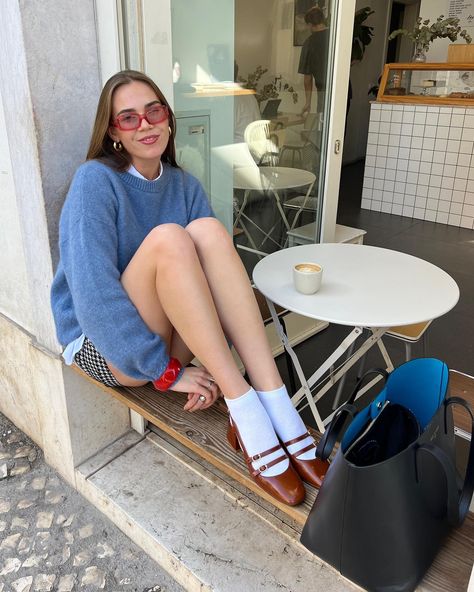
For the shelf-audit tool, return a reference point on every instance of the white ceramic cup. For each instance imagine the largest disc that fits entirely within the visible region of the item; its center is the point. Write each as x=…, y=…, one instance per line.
x=307, y=277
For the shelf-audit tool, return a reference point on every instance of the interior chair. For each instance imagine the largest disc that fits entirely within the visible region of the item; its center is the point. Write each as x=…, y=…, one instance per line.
x=300, y=142
x=262, y=144
x=409, y=334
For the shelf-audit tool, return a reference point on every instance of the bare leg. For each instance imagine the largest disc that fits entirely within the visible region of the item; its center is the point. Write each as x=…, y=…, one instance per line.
x=235, y=302
x=166, y=283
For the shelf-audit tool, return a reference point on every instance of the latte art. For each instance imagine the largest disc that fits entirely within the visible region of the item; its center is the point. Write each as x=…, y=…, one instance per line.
x=308, y=268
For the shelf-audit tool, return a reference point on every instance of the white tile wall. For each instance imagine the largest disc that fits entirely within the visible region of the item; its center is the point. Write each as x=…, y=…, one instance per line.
x=420, y=163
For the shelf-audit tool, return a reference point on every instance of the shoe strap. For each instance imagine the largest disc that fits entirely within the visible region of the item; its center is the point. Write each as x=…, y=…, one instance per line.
x=254, y=472
x=296, y=440
x=266, y=453
x=250, y=459
x=305, y=449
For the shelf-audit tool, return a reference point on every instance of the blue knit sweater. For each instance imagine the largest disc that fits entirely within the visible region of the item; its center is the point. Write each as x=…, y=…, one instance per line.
x=104, y=220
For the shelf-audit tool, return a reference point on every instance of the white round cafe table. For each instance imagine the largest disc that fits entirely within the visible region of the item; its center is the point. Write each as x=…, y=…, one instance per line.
x=271, y=178
x=361, y=285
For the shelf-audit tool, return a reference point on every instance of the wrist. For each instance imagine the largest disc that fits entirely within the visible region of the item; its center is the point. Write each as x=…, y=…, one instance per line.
x=170, y=376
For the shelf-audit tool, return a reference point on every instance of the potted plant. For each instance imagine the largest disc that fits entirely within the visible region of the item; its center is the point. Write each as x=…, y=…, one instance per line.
x=424, y=33
x=271, y=90
x=362, y=34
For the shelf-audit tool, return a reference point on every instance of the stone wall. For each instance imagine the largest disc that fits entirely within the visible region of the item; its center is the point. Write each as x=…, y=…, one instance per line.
x=49, y=88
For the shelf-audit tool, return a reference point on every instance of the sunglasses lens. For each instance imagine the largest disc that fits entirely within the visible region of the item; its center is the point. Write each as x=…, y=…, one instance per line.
x=128, y=121
x=157, y=114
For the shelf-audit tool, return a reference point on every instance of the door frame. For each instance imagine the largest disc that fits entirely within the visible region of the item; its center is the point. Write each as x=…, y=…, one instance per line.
x=341, y=44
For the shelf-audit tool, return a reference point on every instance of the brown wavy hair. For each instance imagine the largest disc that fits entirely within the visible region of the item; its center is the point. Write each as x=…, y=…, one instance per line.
x=101, y=146
x=315, y=16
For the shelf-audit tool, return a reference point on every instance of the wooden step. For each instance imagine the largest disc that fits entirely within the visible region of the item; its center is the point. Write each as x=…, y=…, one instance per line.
x=204, y=435
x=462, y=385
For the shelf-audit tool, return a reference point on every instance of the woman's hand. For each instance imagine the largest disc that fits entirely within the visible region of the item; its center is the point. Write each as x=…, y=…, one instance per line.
x=197, y=382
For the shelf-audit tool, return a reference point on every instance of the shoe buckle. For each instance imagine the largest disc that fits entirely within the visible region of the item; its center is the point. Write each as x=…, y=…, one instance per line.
x=257, y=457
x=262, y=468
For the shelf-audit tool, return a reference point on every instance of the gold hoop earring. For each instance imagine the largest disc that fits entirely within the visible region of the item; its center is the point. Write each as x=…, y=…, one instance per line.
x=118, y=146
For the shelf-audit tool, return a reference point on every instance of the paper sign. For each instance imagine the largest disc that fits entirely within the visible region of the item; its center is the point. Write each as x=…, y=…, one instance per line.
x=463, y=10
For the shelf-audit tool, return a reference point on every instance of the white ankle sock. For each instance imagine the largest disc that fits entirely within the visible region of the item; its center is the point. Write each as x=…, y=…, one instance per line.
x=256, y=431
x=286, y=420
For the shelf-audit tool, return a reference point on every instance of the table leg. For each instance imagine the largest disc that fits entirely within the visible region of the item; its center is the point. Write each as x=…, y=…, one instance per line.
x=280, y=209
x=375, y=338
x=298, y=213
x=304, y=391
x=283, y=217
x=239, y=220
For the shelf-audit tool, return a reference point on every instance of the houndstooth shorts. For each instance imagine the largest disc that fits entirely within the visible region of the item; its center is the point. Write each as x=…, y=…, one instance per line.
x=92, y=363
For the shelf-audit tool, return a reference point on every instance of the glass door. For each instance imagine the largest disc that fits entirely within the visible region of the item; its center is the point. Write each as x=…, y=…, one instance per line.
x=260, y=92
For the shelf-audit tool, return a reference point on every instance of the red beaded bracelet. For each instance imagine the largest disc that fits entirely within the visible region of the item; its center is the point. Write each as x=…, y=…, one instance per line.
x=169, y=375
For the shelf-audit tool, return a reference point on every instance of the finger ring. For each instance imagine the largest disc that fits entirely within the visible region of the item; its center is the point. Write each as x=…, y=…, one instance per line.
x=202, y=398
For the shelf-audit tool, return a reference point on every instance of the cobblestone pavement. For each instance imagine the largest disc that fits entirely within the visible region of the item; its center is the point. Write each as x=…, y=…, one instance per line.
x=52, y=539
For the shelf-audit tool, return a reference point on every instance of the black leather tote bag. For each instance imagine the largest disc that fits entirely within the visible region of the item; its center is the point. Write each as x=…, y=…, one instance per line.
x=392, y=492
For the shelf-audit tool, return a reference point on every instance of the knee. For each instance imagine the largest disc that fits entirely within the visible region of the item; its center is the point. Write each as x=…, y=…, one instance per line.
x=169, y=240
x=209, y=232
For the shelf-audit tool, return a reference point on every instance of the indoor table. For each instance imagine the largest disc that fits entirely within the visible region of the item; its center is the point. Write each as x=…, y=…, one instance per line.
x=271, y=179
x=362, y=287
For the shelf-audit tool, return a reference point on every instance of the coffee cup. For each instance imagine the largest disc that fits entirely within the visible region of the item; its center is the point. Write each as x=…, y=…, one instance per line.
x=307, y=277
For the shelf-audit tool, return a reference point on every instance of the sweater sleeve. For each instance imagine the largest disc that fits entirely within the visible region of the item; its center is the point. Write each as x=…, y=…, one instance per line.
x=103, y=309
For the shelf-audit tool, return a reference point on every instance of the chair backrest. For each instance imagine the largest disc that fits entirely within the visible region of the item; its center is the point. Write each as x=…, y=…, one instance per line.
x=261, y=144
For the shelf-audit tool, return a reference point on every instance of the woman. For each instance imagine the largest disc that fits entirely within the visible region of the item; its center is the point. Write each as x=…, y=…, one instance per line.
x=148, y=279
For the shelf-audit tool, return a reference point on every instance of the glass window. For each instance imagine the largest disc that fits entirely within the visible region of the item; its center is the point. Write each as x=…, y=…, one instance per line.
x=250, y=82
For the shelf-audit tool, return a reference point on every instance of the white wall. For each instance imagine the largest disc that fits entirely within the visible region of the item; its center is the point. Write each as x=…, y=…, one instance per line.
x=432, y=9
x=406, y=44
x=363, y=76
x=264, y=36
x=203, y=43
x=254, y=46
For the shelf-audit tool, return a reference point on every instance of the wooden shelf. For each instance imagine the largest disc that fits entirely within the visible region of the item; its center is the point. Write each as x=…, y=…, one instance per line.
x=383, y=95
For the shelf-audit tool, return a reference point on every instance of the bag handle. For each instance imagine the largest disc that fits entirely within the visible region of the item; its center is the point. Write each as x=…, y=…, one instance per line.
x=457, y=503
x=468, y=487
x=334, y=429
x=358, y=386
x=452, y=508
x=328, y=440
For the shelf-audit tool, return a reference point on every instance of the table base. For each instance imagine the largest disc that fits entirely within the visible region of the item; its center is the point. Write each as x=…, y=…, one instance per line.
x=346, y=345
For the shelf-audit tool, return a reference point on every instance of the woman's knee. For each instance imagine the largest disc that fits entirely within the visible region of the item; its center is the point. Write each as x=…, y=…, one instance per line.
x=208, y=232
x=167, y=240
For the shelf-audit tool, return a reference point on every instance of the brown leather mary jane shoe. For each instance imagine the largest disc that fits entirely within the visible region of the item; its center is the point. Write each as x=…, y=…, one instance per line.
x=286, y=487
x=311, y=471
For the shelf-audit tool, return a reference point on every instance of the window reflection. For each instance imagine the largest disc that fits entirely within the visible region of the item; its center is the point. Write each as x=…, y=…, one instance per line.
x=276, y=204
x=244, y=81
